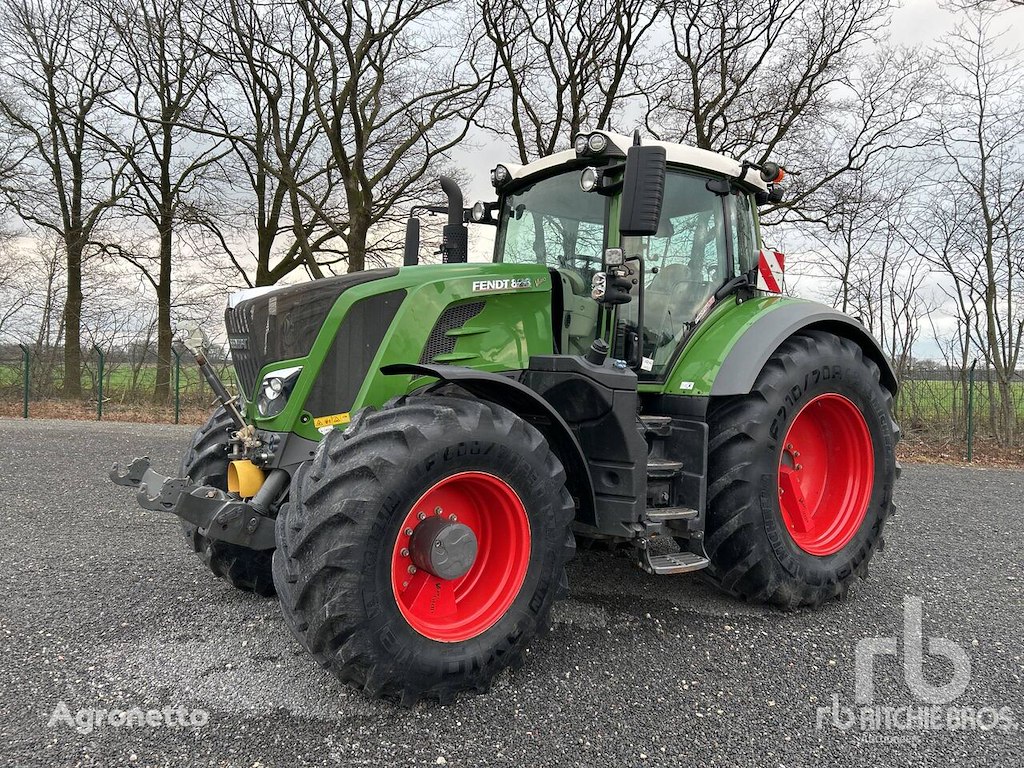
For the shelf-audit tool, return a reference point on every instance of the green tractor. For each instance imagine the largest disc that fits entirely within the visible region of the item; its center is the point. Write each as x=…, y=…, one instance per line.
x=416, y=451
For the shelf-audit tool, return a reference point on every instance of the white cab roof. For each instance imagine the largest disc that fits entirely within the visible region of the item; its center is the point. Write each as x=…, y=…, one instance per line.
x=675, y=154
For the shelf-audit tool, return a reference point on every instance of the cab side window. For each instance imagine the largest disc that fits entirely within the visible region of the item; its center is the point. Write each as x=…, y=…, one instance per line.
x=745, y=247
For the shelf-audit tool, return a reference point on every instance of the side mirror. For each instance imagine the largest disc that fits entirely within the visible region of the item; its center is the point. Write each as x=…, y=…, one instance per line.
x=643, y=189
x=412, y=242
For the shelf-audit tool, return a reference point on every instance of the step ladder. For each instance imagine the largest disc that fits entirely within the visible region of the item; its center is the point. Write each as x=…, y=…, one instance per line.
x=664, y=514
x=671, y=563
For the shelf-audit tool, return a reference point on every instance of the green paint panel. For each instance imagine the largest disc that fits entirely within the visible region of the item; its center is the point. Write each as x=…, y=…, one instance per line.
x=702, y=357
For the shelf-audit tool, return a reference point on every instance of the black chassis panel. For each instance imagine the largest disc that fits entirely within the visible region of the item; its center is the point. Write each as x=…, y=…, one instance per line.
x=600, y=405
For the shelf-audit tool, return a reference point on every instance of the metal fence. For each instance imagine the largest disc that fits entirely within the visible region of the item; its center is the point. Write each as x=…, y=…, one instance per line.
x=959, y=405
x=950, y=406
x=114, y=385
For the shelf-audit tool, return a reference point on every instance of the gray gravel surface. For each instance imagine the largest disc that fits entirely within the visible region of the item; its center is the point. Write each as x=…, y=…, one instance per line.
x=105, y=609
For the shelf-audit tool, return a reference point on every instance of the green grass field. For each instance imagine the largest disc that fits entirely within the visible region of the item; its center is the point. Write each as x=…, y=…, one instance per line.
x=119, y=382
x=932, y=400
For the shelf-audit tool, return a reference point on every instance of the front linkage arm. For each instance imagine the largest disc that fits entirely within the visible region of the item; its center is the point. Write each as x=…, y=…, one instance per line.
x=217, y=514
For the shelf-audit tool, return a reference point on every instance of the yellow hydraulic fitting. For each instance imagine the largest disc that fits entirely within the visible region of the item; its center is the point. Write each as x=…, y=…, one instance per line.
x=244, y=478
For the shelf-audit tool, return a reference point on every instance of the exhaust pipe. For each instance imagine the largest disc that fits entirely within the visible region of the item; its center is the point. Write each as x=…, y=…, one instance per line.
x=412, y=242
x=454, y=239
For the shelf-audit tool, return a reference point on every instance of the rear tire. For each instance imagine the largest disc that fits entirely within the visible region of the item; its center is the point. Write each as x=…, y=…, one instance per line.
x=339, y=564
x=763, y=545
x=205, y=463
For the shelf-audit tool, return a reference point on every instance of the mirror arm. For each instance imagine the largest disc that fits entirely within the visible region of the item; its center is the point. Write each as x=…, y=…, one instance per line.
x=734, y=285
x=636, y=364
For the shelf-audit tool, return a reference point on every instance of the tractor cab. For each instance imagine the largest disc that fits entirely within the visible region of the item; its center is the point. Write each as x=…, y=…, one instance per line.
x=567, y=212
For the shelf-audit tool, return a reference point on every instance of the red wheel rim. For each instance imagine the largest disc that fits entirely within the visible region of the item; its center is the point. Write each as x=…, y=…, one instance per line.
x=458, y=609
x=826, y=473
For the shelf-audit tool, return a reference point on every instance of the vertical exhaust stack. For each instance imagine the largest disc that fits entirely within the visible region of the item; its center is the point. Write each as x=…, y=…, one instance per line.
x=412, y=242
x=454, y=240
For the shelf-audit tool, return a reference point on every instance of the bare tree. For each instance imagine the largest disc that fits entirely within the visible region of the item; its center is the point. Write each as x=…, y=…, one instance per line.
x=162, y=74
x=866, y=257
x=263, y=103
x=57, y=68
x=396, y=86
x=577, y=68
x=14, y=292
x=978, y=200
x=800, y=81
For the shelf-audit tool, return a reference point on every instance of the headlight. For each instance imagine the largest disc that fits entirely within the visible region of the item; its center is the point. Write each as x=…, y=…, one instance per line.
x=580, y=145
x=500, y=176
x=275, y=389
x=597, y=143
x=589, y=179
x=479, y=211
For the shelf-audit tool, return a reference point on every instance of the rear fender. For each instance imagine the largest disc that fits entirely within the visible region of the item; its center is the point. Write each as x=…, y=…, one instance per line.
x=748, y=355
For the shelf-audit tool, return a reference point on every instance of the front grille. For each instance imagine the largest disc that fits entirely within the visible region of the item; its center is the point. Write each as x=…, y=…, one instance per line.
x=355, y=346
x=439, y=342
x=243, y=357
x=283, y=324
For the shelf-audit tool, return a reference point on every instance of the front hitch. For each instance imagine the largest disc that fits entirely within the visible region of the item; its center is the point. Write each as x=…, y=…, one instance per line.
x=217, y=515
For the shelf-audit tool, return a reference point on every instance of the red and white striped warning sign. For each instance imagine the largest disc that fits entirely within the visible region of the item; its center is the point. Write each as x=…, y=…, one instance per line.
x=771, y=266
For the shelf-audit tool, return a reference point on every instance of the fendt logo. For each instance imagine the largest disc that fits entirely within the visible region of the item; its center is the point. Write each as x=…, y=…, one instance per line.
x=508, y=284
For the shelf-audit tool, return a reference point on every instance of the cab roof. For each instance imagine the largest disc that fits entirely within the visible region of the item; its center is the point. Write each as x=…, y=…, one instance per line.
x=682, y=155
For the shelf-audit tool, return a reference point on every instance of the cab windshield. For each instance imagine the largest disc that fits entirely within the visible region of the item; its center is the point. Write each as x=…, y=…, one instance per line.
x=554, y=222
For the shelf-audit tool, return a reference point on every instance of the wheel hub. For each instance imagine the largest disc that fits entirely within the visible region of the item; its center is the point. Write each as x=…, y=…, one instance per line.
x=443, y=548
x=460, y=556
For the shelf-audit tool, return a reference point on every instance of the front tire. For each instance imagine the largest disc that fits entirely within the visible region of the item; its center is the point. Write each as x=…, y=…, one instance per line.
x=206, y=463
x=345, y=566
x=801, y=474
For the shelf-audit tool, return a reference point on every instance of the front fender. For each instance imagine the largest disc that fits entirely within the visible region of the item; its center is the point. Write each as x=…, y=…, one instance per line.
x=527, y=404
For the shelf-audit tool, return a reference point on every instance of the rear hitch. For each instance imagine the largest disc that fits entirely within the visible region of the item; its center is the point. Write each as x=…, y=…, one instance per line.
x=217, y=515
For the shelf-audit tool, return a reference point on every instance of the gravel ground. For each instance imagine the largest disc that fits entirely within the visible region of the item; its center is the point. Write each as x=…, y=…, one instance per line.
x=105, y=609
